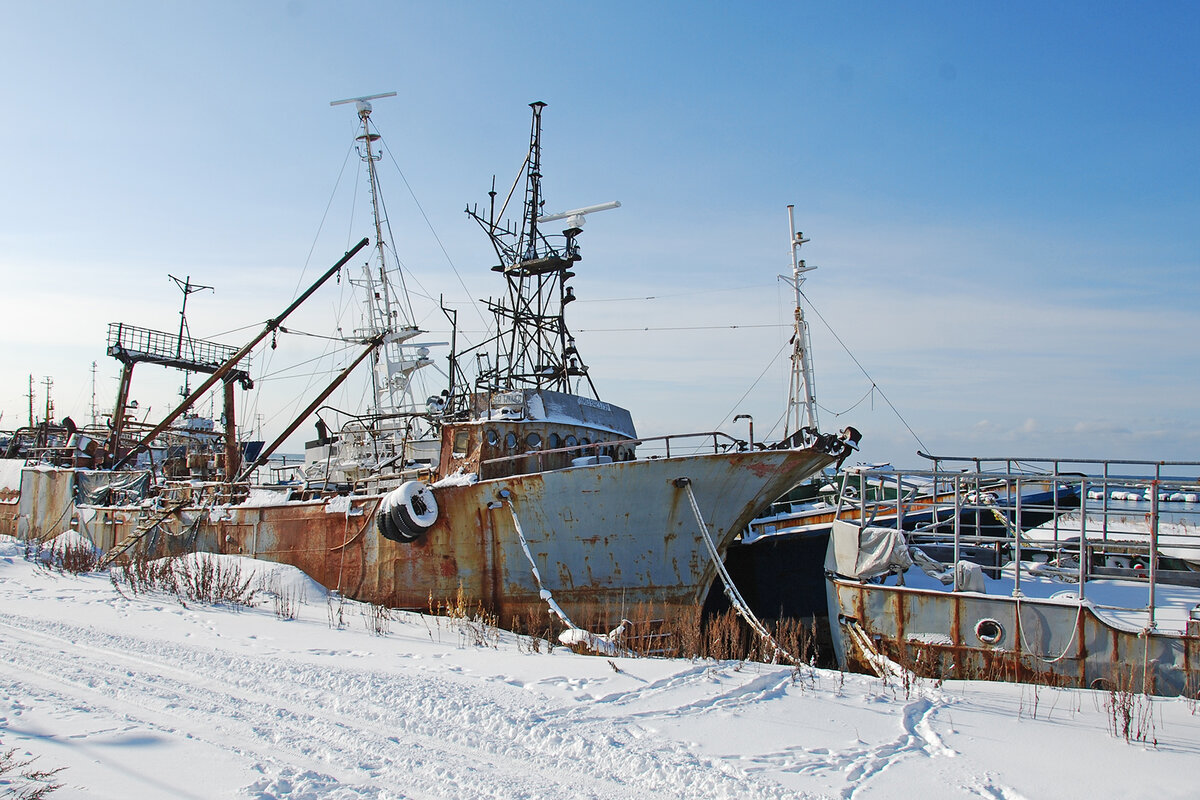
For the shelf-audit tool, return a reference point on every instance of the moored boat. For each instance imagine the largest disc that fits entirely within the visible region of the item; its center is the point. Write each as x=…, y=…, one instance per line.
x=1080, y=601
x=542, y=497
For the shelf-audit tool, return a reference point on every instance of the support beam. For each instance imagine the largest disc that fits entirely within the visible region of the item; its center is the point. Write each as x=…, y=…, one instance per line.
x=228, y=367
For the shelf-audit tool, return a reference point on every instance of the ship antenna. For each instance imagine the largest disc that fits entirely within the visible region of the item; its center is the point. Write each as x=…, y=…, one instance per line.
x=188, y=288
x=802, y=398
x=389, y=315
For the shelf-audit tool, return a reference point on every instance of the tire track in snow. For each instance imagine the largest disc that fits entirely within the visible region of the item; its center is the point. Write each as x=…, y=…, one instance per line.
x=423, y=736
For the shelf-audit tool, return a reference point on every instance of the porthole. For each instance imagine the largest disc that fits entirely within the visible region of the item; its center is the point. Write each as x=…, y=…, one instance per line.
x=585, y=440
x=493, y=438
x=989, y=631
x=570, y=441
x=555, y=441
x=510, y=441
x=533, y=441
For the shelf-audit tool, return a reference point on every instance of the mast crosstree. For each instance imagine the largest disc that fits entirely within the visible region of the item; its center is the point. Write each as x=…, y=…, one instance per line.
x=533, y=347
x=388, y=310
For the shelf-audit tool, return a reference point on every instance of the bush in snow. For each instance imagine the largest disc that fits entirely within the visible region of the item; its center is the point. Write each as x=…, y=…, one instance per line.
x=68, y=552
x=19, y=781
x=200, y=577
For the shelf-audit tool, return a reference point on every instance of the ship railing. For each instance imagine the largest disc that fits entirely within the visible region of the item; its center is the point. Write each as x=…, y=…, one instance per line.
x=683, y=444
x=1078, y=519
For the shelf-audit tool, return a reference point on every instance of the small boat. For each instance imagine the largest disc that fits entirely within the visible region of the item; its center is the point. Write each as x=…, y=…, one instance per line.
x=1066, y=608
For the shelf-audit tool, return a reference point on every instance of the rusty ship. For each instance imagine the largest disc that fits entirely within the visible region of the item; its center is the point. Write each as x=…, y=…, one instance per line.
x=516, y=487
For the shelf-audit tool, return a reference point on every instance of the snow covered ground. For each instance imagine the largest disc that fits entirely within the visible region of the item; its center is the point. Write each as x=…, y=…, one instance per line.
x=144, y=697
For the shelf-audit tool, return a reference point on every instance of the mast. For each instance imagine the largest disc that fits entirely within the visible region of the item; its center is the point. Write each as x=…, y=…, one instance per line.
x=388, y=313
x=188, y=288
x=533, y=347
x=802, y=398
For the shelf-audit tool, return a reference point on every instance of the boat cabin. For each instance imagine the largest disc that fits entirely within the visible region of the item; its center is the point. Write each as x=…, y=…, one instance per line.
x=535, y=430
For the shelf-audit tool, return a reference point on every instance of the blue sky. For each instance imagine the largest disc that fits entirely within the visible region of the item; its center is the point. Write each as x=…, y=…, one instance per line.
x=1003, y=200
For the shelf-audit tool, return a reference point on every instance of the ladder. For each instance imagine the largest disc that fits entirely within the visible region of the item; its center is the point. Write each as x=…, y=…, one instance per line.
x=140, y=532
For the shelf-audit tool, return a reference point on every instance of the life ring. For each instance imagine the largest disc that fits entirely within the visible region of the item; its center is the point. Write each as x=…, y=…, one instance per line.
x=411, y=509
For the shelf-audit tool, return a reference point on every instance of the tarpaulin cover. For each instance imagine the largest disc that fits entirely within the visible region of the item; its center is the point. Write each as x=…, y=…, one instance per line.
x=103, y=488
x=866, y=552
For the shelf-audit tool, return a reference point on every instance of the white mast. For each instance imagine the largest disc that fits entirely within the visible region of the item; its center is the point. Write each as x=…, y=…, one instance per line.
x=387, y=315
x=802, y=397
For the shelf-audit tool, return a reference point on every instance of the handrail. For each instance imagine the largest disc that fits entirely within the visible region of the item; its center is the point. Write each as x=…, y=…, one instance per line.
x=582, y=448
x=1124, y=522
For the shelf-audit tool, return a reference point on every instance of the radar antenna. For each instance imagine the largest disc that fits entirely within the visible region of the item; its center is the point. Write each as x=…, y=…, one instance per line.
x=533, y=347
x=388, y=310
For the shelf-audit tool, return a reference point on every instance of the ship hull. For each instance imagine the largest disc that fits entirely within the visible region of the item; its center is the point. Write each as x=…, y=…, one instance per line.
x=609, y=536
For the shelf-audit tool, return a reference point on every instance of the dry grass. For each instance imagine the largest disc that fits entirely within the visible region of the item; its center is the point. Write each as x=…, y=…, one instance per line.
x=1129, y=711
x=189, y=578
x=476, y=626
x=20, y=781
x=378, y=619
x=75, y=558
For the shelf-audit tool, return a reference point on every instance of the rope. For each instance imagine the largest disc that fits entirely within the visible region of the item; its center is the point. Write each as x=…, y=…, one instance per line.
x=543, y=592
x=731, y=591
x=862, y=369
x=1067, y=649
x=856, y=404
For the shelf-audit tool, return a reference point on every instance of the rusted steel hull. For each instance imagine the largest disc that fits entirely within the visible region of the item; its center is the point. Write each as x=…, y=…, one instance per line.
x=616, y=534
x=43, y=505
x=610, y=535
x=972, y=636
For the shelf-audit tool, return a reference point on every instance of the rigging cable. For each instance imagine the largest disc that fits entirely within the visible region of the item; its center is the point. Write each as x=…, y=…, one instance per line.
x=436, y=238
x=874, y=386
x=770, y=364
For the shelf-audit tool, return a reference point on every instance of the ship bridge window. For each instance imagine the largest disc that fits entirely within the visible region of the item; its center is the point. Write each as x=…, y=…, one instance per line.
x=462, y=442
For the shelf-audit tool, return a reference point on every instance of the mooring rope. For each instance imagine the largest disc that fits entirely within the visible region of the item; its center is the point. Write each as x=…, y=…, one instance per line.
x=1067, y=649
x=543, y=592
x=731, y=591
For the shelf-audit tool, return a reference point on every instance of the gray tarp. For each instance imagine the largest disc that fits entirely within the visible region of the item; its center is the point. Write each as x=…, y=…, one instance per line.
x=104, y=488
x=865, y=552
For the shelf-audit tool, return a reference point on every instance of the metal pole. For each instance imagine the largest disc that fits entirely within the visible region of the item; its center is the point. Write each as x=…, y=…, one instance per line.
x=1017, y=543
x=267, y=451
x=957, y=524
x=1084, y=551
x=228, y=366
x=1153, y=541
